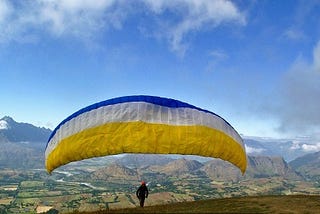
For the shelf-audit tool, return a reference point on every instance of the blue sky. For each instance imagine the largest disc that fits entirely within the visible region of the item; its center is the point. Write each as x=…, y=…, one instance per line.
x=255, y=63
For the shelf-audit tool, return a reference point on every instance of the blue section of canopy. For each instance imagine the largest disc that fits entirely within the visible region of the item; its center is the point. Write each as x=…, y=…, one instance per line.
x=167, y=102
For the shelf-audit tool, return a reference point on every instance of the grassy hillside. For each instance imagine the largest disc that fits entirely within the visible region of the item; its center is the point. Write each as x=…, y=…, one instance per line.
x=259, y=204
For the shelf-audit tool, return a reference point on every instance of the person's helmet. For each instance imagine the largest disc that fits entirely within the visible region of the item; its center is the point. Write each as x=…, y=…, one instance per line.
x=143, y=183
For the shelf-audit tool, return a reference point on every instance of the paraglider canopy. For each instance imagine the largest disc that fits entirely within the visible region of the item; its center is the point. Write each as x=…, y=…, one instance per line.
x=143, y=124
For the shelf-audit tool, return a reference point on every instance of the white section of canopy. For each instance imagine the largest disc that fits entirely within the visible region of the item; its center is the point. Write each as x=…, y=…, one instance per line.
x=140, y=111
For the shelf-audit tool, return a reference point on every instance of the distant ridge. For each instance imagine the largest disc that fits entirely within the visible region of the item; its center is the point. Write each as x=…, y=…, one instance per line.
x=308, y=165
x=179, y=167
x=115, y=171
x=143, y=160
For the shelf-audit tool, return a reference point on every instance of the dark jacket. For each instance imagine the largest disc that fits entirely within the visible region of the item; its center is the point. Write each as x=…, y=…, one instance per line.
x=142, y=192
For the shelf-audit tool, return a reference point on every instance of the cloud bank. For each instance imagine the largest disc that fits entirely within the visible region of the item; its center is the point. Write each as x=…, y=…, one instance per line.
x=305, y=147
x=252, y=150
x=83, y=19
x=298, y=101
x=58, y=18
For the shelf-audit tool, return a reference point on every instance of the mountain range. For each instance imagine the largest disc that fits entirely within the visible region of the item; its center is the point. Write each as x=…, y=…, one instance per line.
x=214, y=170
x=22, y=145
x=289, y=149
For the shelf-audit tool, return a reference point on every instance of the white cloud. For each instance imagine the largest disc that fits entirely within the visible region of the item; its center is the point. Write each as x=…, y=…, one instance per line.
x=5, y=10
x=81, y=19
x=216, y=56
x=159, y=6
x=311, y=147
x=5, y=13
x=316, y=58
x=84, y=18
x=219, y=55
x=298, y=103
x=252, y=150
x=195, y=15
x=295, y=145
x=80, y=5
x=3, y=124
x=294, y=34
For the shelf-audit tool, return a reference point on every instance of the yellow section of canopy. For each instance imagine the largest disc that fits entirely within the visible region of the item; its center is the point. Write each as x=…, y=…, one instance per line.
x=141, y=137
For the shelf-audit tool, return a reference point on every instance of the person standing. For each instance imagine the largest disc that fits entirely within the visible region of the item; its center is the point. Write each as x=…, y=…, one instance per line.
x=142, y=193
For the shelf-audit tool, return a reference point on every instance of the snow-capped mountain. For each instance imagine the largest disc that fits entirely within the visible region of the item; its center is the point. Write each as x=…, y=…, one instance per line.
x=21, y=144
x=14, y=132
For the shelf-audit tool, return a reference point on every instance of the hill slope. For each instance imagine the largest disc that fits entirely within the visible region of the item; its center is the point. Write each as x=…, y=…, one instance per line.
x=262, y=204
x=308, y=165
